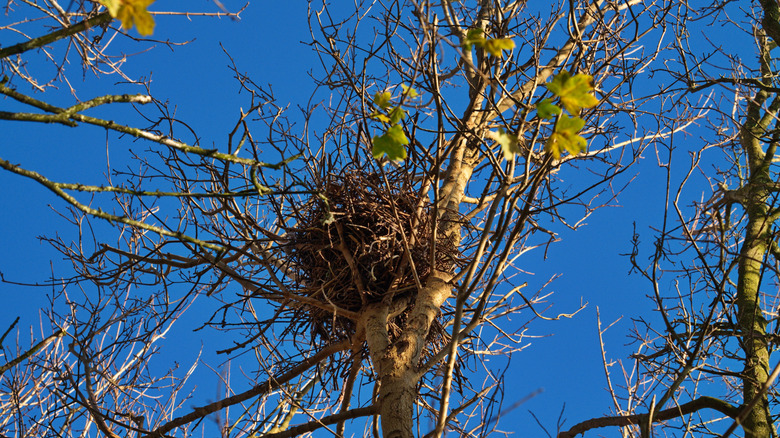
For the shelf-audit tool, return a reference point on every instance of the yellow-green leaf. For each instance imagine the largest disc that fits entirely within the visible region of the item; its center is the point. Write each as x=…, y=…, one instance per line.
x=574, y=91
x=409, y=92
x=132, y=12
x=382, y=100
x=569, y=124
x=566, y=137
x=391, y=143
x=473, y=37
x=508, y=142
x=546, y=109
x=396, y=132
x=381, y=117
x=397, y=114
x=112, y=6
x=557, y=143
x=496, y=45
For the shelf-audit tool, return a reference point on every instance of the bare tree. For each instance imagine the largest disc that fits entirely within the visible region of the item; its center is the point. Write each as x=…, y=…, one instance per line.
x=703, y=366
x=342, y=284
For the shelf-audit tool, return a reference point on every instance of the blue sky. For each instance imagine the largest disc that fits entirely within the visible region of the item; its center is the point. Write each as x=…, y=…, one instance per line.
x=564, y=361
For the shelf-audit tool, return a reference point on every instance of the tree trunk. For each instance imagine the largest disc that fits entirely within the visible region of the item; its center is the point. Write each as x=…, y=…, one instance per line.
x=397, y=396
x=752, y=325
x=396, y=363
x=750, y=319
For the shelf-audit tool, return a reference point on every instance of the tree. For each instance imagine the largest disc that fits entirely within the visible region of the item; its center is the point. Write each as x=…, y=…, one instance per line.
x=704, y=363
x=360, y=260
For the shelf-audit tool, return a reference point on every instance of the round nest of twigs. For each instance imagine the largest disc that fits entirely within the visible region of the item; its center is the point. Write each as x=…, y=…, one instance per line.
x=351, y=247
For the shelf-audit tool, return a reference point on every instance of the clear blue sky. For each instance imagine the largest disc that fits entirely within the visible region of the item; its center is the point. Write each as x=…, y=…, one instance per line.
x=564, y=361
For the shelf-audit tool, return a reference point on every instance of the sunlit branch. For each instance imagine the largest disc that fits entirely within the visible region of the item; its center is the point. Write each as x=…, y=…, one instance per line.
x=35, y=348
x=452, y=415
x=263, y=388
x=69, y=117
x=324, y=421
x=41, y=41
x=99, y=213
x=234, y=15
x=159, y=194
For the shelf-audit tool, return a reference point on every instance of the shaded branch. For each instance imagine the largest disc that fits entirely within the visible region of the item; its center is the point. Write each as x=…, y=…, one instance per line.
x=771, y=19
x=751, y=82
x=668, y=414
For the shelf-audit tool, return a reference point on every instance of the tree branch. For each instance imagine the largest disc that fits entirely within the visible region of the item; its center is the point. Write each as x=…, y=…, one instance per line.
x=263, y=388
x=70, y=117
x=675, y=412
x=54, y=187
x=31, y=351
x=324, y=421
x=65, y=32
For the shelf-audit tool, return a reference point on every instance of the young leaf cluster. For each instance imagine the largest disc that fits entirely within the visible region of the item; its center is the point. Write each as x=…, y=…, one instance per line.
x=574, y=93
x=131, y=12
x=393, y=141
x=494, y=46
